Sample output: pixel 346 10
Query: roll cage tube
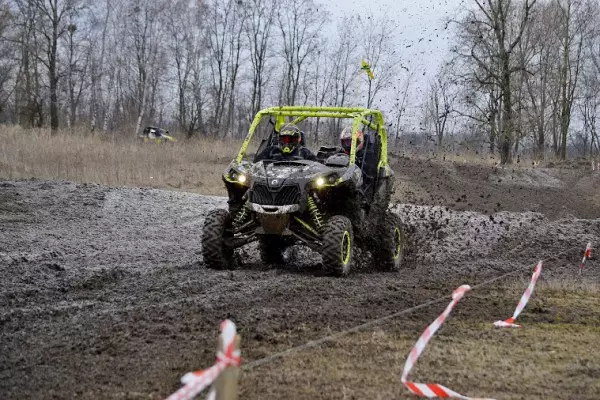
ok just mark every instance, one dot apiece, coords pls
pixel 358 114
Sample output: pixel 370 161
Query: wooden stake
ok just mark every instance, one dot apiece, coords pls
pixel 226 385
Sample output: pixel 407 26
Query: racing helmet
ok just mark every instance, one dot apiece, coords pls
pixel 289 138
pixel 346 139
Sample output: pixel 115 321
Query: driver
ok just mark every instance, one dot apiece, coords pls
pixel 289 146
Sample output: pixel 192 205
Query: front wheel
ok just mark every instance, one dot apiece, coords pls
pixel 390 249
pixel 338 245
pixel 217 255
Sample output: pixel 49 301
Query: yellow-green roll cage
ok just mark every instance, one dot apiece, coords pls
pixel 359 116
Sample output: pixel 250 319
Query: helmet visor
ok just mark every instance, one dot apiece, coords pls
pixel 286 139
pixel 347 143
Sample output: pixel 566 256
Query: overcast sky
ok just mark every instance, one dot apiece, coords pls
pixel 419 23
pixel 419 26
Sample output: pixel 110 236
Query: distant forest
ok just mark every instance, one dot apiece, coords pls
pixel 521 76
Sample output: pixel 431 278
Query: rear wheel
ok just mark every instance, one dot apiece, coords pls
pixel 217 255
pixel 338 245
pixel 390 249
pixel 271 249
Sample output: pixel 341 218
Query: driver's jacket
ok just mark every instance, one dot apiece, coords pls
pixel 275 153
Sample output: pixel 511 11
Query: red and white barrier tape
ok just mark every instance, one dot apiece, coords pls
pixel 195 382
pixel 510 323
pixel 432 389
pixel 587 254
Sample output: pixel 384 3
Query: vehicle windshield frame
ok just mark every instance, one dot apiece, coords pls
pixel 359 115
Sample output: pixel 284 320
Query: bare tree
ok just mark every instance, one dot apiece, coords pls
pixel 590 104
pixel 439 106
pixel 183 46
pixel 401 92
pixel 78 60
pixel 300 25
pixel 7 65
pixel 490 37
pixel 258 25
pixel 27 87
pixel 97 63
pixel 377 47
pixel 344 59
pixel 539 50
pixel 224 39
pixel 52 26
pixel 142 28
pixel 573 28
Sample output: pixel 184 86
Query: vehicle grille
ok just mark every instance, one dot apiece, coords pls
pixel 283 196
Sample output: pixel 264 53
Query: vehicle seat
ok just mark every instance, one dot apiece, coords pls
pixel 303 139
pixel 326 151
pixel 370 156
pixel 370 160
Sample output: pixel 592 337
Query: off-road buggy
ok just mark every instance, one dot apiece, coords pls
pixel 331 205
pixel 157 135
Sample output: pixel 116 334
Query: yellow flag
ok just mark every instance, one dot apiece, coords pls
pixel 367 68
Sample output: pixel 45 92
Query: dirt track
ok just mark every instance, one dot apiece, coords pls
pixel 104 295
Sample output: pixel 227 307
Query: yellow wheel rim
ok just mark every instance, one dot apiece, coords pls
pixel 398 243
pixel 346 247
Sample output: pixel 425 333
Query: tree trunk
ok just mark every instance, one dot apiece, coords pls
pixel 138 125
pixel 541 144
pixel 506 136
pixel 53 83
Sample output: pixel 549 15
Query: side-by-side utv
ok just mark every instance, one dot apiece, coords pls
pixel 331 205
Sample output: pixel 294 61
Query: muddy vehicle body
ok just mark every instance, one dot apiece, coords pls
pixel 332 205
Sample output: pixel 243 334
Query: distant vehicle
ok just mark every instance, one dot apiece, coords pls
pixel 158 135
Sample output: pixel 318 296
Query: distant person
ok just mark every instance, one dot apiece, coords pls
pixel 289 146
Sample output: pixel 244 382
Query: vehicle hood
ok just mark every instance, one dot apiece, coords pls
pixel 284 172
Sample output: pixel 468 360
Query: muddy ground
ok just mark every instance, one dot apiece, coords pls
pixel 103 293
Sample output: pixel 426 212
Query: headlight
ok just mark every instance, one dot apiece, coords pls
pixel 328 180
pixel 236 176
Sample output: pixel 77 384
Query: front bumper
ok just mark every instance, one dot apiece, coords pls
pixel 264 209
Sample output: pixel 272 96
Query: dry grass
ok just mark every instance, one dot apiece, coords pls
pixel 120 160
pixel 190 165
pixel 554 356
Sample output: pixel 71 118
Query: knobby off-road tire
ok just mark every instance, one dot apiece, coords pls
pixel 338 245
pixel 216 254
pixel 271 249
pixel 389 251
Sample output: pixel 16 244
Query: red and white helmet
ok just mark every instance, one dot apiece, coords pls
pixel 346 139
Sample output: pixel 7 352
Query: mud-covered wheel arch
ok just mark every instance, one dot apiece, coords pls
pixel 214 250
pixel 338 245
pixel 380 205
pixel 271 249
pixel 382 197
pixel 390 247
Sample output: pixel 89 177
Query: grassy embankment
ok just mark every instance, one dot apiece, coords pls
pixel 194 165
pixel 191 165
